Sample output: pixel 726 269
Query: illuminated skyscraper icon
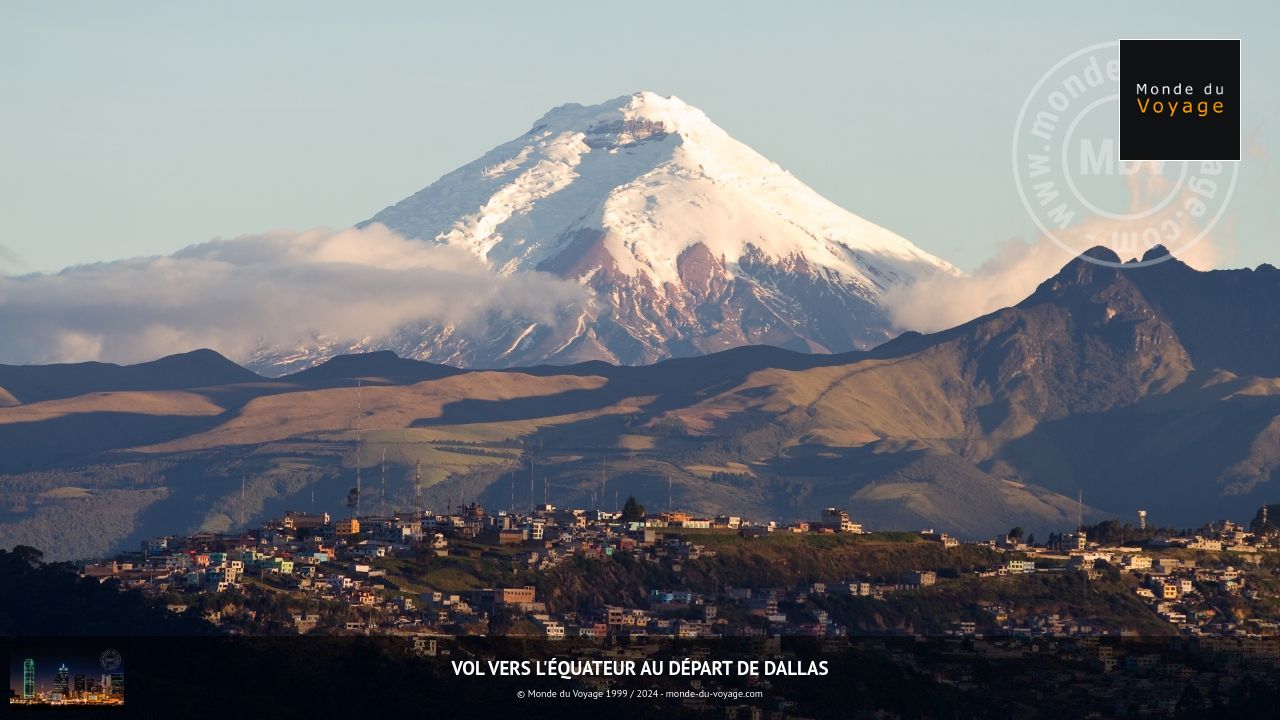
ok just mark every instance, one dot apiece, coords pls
pixel 28 679
pixel 61 682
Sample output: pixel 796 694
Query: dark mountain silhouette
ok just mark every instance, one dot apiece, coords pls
pixel 1226 319
pixel 39 599
pixel 195 369
pixel 380 367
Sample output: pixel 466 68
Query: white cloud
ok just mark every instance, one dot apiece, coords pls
pixel 277 289
pixel 944 301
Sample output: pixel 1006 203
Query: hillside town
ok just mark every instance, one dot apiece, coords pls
pixel 359 574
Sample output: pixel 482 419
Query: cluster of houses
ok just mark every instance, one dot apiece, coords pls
pixel 340 562
pixel 1176 588
pixel 337 560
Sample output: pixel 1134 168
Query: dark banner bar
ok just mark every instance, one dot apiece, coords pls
pixel 309 677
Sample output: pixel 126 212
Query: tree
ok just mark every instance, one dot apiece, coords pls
pixel 27 555
pixel 1266 520
pixel 632 511
pixel 1031 539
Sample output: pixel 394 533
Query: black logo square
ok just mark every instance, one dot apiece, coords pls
pixel 1179 99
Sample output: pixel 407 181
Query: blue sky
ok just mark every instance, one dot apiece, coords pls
pixel 137 128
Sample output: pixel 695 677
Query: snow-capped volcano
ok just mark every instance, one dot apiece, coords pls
pixel 687 240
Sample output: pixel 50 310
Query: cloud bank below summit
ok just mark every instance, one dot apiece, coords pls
pixel 284 291
pixel 940 302
pixel 279 289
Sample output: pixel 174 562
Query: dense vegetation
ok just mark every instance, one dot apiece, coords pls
pixel 780 561
pixel 51 599
pixel 1113 532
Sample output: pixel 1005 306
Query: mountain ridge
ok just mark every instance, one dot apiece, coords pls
pixel 1105 382
pixel 196 368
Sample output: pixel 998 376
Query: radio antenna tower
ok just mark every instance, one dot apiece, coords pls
pixel 1079 509
pixel 417 489
pixel 359 412
pixel 242 474
pixel 382 500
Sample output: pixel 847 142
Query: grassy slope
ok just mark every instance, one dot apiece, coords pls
pixel 930 438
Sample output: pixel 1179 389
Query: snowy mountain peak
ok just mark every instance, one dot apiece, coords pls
pixel 686 240
pixel 653 176
pixel 631 118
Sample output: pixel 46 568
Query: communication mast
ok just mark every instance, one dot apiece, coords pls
pixel 357 508
pixel 359 412
pixel 417 489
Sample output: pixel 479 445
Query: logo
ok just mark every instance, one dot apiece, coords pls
pixel 109 660
pixel 1180 99
pixel 1077 190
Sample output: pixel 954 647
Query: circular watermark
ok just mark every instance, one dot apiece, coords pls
pixel 109 659
pixel 1081 195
